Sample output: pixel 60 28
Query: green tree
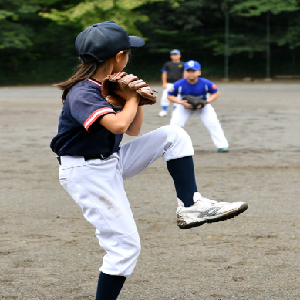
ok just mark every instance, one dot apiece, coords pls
pixel 253 8
pixel 13 34
pixel 37 36
pixel 181 25
pixel 32 48
pixel 250 8
pixel 89 12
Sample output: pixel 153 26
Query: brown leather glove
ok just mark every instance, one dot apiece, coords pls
pixel 111 83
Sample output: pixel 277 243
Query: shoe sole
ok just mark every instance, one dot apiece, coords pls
pixel 226 216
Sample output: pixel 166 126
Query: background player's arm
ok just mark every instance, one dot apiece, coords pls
pixel 213 97
pixel 176 100
pixel 173 99
pixel 164 79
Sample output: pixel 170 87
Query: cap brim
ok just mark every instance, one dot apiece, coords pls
pixel 136 41
pixel 189 68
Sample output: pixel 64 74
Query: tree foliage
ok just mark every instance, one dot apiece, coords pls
pixel 291 35
pixel 36 31
pixel 250 8
pixel 174 26
pixel 13 34
pixel 256 8
pixel 95 11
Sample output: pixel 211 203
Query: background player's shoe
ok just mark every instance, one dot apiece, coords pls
pixel 223 150
pixel 207 211
pixel 163 113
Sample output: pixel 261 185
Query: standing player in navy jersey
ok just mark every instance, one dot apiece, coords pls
pixel 93 164
pixel 171 72
pixel 197 86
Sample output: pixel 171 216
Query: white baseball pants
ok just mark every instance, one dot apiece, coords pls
pixel 97 187
pixel 209 118
pixel 164 101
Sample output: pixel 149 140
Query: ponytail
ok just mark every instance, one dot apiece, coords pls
pixel 83 72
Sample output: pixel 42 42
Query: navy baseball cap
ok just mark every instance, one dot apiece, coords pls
pixel 175 51
pixel 104 40
pixel 192 64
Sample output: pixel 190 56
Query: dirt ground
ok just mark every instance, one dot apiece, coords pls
pixel 48 250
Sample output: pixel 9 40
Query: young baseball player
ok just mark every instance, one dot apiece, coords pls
pixel 93 164
pixel 196 86
pixel 171 72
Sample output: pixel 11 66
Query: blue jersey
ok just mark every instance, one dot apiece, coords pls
pixel 200 88
pixel 79 130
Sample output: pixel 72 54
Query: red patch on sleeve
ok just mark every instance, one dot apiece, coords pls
pixel 214 86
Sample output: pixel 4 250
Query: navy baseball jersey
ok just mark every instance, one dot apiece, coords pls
pixel 200 88
pixel 174 70
pixel 79 130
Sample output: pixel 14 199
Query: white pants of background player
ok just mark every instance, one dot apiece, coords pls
pixel 209 118
pixel 97 187
pixel 164 101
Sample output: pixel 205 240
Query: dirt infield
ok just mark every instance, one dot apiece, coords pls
pixel 48 251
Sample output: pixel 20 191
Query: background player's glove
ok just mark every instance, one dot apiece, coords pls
pixel 111 83
pixel 195 101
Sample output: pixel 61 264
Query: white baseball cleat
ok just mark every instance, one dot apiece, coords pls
pixel 163 113
pixel 207 211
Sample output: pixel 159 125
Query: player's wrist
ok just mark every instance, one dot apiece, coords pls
pixel 133 98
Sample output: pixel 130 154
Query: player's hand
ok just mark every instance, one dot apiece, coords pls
pixel 127 93
pixel 186 105
pixel 165 86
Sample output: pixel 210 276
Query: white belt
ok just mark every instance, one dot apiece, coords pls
pixel 71 160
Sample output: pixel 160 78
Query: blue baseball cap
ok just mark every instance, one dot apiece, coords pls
pixel 175 51
pixel 104 40
pixel 192 64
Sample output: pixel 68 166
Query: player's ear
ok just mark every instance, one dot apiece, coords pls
pixel 199 73
pixel 119 56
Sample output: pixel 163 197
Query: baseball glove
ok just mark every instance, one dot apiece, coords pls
pixel 111 83
pixel 195 101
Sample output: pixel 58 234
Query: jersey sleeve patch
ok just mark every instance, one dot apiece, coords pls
pixel 95 115
pixel 214 86
pixel 171 90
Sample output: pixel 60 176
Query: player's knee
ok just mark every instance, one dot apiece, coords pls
pixel 121 256
pixel 131 251
pixel 178 143
pixel 135 246
pixel 176 132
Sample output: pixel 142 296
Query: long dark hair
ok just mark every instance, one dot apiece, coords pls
pixel 83 72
